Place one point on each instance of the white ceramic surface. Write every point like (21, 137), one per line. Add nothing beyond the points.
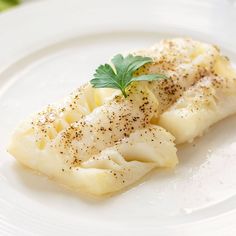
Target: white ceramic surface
(50, 47)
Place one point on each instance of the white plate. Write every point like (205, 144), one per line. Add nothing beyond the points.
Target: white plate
(46, 50)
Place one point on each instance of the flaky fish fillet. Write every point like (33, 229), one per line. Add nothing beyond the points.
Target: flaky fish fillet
(211, 99)
(83, 141)
(112, 169)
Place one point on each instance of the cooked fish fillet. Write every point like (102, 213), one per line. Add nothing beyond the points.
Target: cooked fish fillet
(211, 99)
(120, 116)
(61, 140)
(184, 61)
(111, 170)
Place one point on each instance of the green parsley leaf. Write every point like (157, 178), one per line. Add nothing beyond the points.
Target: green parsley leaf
(5, 4)
(122, 75)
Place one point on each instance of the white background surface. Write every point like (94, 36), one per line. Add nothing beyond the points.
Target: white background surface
(50, 47)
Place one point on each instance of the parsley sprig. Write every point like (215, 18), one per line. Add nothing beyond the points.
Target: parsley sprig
(122, 75)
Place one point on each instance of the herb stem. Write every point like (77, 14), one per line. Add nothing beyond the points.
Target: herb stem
(124, 93)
